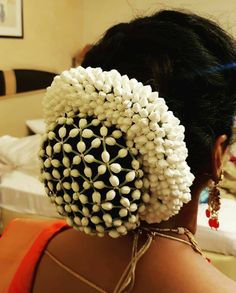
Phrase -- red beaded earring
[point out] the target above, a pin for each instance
(214, 205)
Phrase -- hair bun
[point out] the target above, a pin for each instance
(95, 181)
(102, 127)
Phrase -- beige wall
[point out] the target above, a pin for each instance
(52, 34)
(98, 15)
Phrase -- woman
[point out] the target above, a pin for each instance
(114, 158)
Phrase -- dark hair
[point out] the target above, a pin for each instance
(190, 60)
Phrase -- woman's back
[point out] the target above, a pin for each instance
(167, 266)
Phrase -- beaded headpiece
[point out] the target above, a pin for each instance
(113, 154)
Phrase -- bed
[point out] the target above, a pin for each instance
(22, 194)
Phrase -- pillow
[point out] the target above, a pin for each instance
(37, 126)
(20, 154)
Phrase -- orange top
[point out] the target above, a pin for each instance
(21, 247)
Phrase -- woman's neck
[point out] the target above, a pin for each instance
(187, 217)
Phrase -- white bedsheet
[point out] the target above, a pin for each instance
(224, 239)
(23, 193)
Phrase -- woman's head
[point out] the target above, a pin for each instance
(190, 61)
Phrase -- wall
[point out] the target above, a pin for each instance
(52, 34)
(98, 15)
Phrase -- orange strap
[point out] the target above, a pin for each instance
(21, 247)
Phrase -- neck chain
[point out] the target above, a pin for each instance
(180, 231)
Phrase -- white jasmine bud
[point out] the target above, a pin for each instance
(55, 163)
(110, 195)
(96, 196)
(82, 123)
(47, 163)
(116, 134)
(83, 198)
(95, 122)
(96, 208)
(67, 198)
(107, 218)
(62, 132)
(135, 164)
(115, 168)
(125, 190)
(123, 212)
(75, 195)
(59, 200)
(76, 160)
(146, 197)
(66, 162)
(132, 219)
(107, 206)
(96, 143)
(99, 184)
(138, 184)
(102, 169)
(56, 174)
(67, 208)
(117, 222)
(73, 132)
(67, 147)
(114, 180)
(49, 150)
(125, 202)
(133, 207)
(88, 172)
(87, 133)
(136, 194)
(100, 228)
(110, 141)
(122, 230)
(122, 153)
(74, 173)
(95, 220)
(75, 187)
(89, 158)
(57, 147)
(103, 131)
(85, 212)
(51, 135)
(69, 121)
(81, 146)
(114, 234)
(105, 156)
(86, 185)
(77, 221)
(130, 176)
(66, 185)
(74, 208)
(84, 221)
(61, 120)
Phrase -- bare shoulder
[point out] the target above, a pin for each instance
(174, 267)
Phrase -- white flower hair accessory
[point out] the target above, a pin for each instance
(113, 153)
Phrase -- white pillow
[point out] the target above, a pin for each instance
(20, 153)
(37, 126)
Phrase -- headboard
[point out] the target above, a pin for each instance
(16, 109)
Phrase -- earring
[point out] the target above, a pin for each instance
(214, 205)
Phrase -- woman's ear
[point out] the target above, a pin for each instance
(218, 152)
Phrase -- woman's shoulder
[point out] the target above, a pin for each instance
(175, 267)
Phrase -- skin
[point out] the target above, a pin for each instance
(167, 266)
